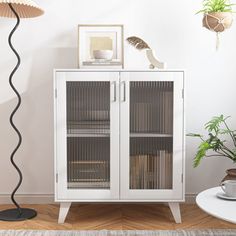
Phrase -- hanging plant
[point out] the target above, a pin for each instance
(217, 16)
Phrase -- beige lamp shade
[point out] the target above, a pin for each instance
(24, 8)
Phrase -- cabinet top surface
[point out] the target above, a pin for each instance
(119, 70)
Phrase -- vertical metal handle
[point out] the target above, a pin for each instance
(123, 91)
(114, 92)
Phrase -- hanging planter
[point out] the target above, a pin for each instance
(217, 16)
(217, 21)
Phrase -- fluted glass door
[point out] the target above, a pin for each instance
(88, 135)
(148, 146)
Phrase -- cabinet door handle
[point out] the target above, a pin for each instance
(123, 91)
(114, 91)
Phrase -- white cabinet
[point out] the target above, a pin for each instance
(119, 137)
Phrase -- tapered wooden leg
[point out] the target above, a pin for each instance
(175, 210)
(64, 208)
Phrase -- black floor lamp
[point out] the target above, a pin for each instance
(17, 9)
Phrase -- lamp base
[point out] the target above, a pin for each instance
(13, 214)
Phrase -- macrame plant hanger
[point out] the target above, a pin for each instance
(214, 29)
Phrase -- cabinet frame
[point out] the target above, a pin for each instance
(119, 130)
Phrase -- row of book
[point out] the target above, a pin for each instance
(151, 107)
(156, 117)
(151, 171)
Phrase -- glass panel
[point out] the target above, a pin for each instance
(88, 135)
(151, 135)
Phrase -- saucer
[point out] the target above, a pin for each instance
(222, 195)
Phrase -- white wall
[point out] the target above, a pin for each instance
(170, 27)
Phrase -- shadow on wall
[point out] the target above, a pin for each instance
(34, 119)
(35, 68)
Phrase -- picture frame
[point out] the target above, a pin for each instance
(100, 46)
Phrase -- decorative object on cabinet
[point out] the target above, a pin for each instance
(119, 137)
(217, 16)
(100, 46)
(103, 54)
(140, 44)
(17, 9)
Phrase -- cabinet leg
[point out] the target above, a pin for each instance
(175, 210)
(64, 208)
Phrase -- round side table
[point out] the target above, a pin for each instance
(219, 208)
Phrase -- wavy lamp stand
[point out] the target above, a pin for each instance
(16, 9)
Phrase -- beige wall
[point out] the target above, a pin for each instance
(170, 27)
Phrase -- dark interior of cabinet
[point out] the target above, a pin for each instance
(88, 135)
(88, 162)
(151, 107)
(151, 164)
(151, 135)
(151, 131)
(88, 107)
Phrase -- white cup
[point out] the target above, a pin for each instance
(229, 187)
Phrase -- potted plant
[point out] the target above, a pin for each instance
(217, 14)
(218, 131)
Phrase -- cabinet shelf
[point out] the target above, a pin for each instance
(87, 162)
(76, 133)
(88, 135)
(101, 129)
(150, 135)
(93, 128)
(89, 185)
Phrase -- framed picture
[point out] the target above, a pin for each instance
(101, 46)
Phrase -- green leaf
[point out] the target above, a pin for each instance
(214, 124)
(226, 131)
(218, 132)
(216, 6)
(202, 149)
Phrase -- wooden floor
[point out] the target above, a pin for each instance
(117, 217)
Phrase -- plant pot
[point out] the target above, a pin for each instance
(217, 21)
(231, 175)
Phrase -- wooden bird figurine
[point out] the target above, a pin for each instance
(140, 44)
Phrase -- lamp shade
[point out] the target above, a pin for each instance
(24, 8)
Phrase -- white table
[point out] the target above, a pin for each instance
(220, 208)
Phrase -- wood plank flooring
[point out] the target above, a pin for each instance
(117, 217)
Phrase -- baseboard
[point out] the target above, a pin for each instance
(49, 198)
(190, 198)
(28, 198)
